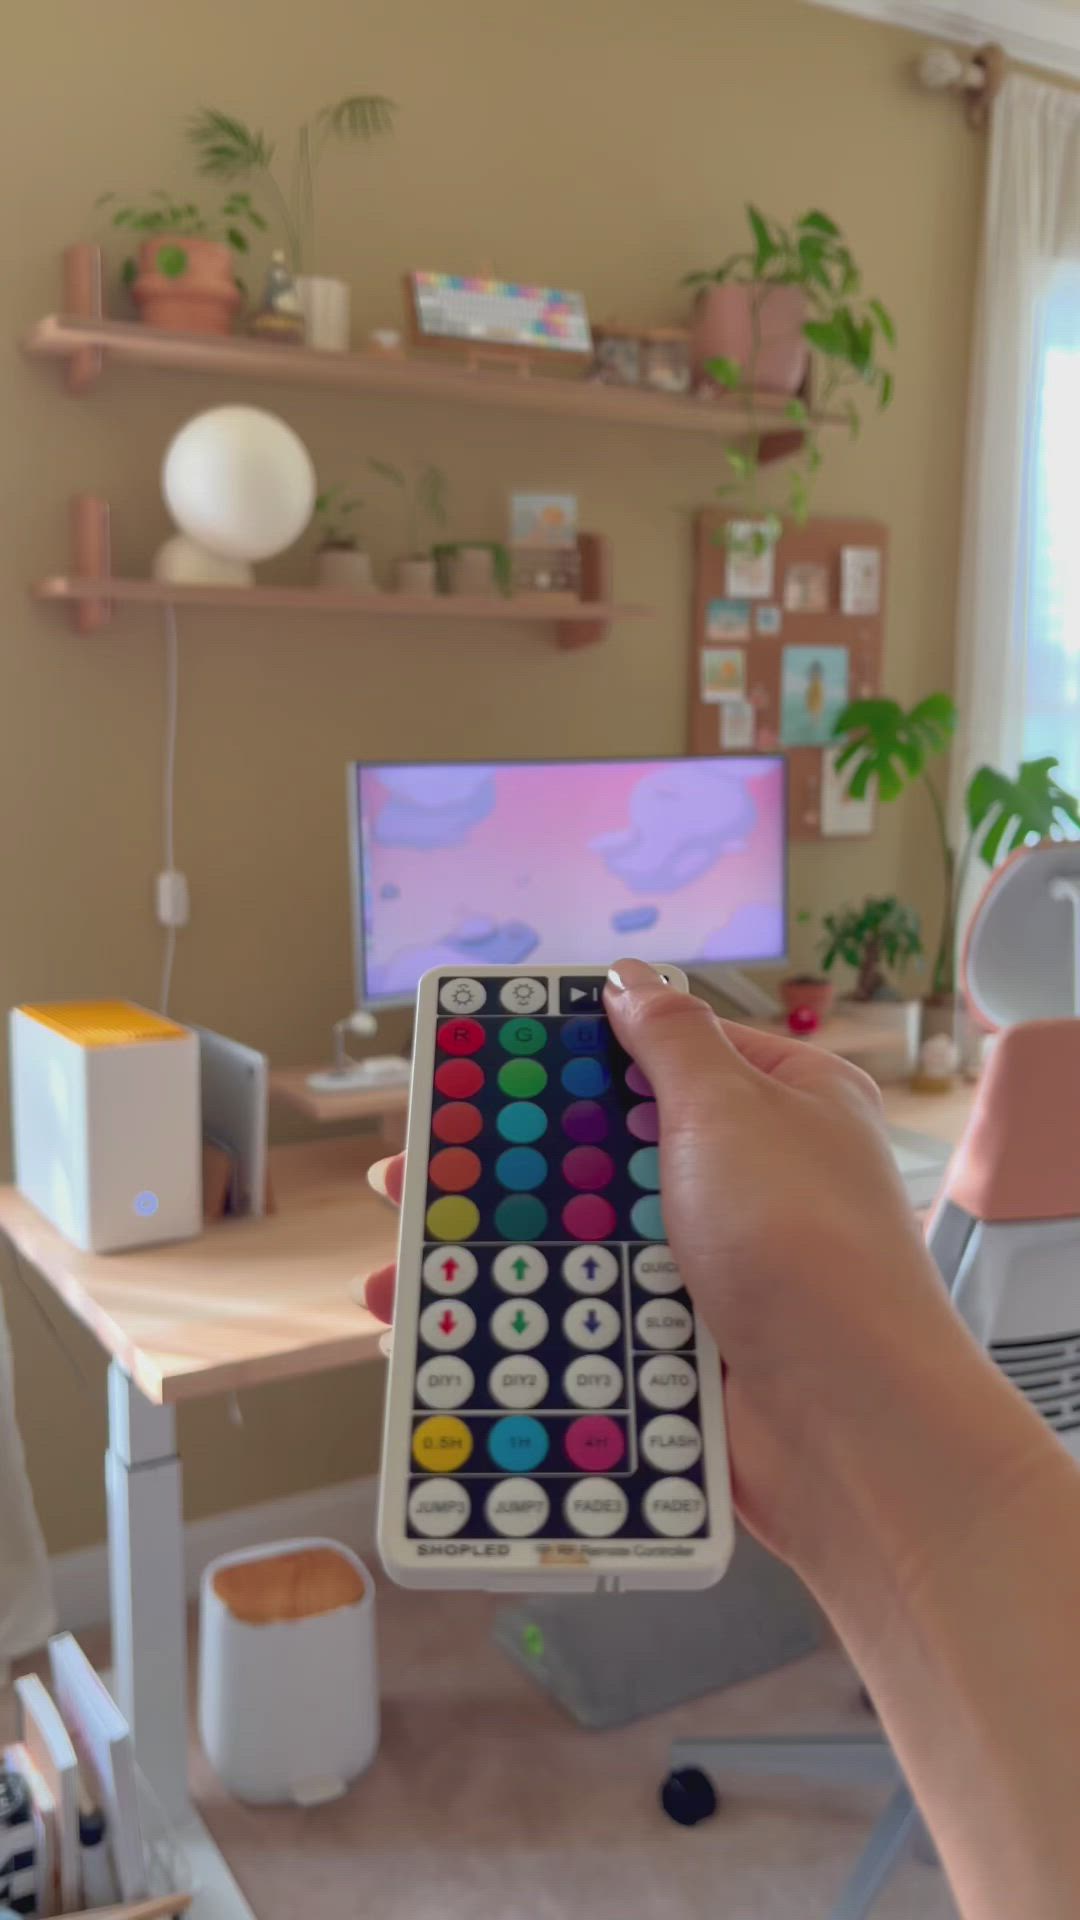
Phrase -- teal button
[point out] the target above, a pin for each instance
(520, 1168)
(586, 1076)
(644, 1167)
(647, 1219)
(517, 1445)
(520, 1217)
(525, 1121)
(522, 1036)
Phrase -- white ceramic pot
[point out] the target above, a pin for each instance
(898, 1024)
(472, 571)
(325, 305)
(416, 575)
(348, 568)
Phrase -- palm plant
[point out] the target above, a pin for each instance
(881, 742)
(228, 149)
(878, 934)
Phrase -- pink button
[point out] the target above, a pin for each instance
(637, 1082)
(595, 1444)
(588, 1168)
(588, 1216)
(644, 1121)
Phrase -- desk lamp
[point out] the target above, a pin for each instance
(349, 1075)
(1006, 1230)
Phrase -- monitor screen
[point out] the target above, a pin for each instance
(565, 861)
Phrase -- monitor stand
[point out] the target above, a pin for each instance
(754, 1001)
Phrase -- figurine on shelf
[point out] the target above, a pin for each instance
(280, 316)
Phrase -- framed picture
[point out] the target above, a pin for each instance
(748, 574)
(737, 726)
(768, 622)
(806, 588)
(543, 519)
(728, 620)
(842, 817)
(723, 674)
(813, 694)
(860, 580)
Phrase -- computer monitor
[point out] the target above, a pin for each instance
(564, 860)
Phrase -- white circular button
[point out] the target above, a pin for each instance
(593, 1383)
(519, 1269)
(590, 1269)
(517, 1508)
(519, 1325)
(449, 1269)
(667, 1383)
(518, 1383)
(665, 1323)
(596, 1508)
(674, 1507)
(591, 1324)
(672, 1442)
(438, 1507)
(523, 996)
(462, 996)
(654, 1269)
(447, 1325)
(444, 1383)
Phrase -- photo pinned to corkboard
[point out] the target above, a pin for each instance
(780, 647)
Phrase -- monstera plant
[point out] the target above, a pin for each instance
(886, 746)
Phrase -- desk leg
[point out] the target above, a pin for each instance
(146, 1587)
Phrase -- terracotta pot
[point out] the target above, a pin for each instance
(815, 994)
(203, 298)
(347, 568)
(416, 575)
(723, 328)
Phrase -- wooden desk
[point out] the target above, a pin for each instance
(388, 1105)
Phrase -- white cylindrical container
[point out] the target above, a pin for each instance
(288, 1672)
(346, 567)
(325, 305)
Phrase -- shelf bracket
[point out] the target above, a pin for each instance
(597, 583)
(91, 558)
(84, 300)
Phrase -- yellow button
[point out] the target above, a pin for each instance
(452, 1218)
(441, 1444)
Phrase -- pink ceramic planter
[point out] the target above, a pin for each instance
(202, 299)
(723, 328)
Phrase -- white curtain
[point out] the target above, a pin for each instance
(1032, 233)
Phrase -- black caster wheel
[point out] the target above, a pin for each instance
(689, 1797)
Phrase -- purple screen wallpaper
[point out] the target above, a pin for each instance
(679, 860)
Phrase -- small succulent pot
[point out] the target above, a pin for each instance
(416, 574)
(347, 568)
(809, 991)
(185, 285)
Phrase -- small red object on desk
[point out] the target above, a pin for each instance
(803, 1020)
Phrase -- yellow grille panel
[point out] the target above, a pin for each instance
(104, 1023)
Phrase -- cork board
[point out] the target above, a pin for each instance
(780, 644)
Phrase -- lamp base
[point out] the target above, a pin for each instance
(185, 563)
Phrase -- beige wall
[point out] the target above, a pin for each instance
(606, 144)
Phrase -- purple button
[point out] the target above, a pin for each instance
(588, 1216)
(585, 1122)
(588, 1168)
(637, 1082)
(594, 1444)
(644, 1121)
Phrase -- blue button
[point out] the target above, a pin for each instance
(517, 1445)
(585, 1077)
(524, 1121)
(520, 1168)
(644, 1167)
(647, 1219)
(146, 1204)
(521, 1217)
(585, 1036)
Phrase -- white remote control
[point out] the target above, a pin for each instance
(555, 1416)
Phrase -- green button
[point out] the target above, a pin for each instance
(522, 1036)
(520, 1217)
(522, 1078)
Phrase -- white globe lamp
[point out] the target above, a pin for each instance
(240, 485)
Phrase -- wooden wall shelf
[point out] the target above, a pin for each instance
(87, 346)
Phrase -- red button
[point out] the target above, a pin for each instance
(461, 1036)
(454, 1170)
(588, 1216)
(456, 1123)
(459, 1079)
(595, 1444)
(588, 1168)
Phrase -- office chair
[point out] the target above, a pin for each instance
(1005, 1234)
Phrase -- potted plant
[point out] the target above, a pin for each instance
(340, 560)
(183, 277)
(881, 742)
(879, 934)
(424, 496)
(229, 149)
(793, 298)
(479, 567)
(805, 992)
